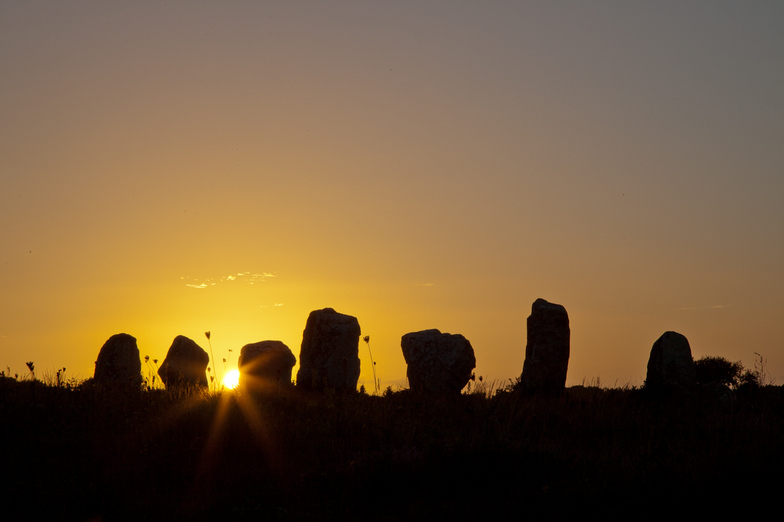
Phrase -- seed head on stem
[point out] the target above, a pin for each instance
(212, 357)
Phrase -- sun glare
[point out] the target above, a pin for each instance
(231, 379)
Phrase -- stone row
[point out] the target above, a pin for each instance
(437, 363)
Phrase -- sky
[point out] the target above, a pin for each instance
(171, 168)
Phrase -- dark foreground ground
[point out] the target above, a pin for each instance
(87, 453)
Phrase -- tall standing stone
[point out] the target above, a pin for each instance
(119, 362)
(670, 366)
(265, 363)
(185, 364)
(547, 349)
(329, 357)
(439, 363)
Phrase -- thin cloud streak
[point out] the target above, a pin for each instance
(713, 307)
(242, 277)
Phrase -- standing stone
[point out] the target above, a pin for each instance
(329, 357)
(437, 362)
(185, 364)
(670, 366)
(265, 363)
(547, 349)
(118, 362)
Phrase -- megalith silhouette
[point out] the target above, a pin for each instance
(185, 364)
(547, 348)
(329, 356)
(437, 362)
(119, 362)
(265, 364)
(670, 365)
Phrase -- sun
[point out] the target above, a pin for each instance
(231, 379)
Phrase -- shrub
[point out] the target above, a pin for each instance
(718, 370)
(749, 380)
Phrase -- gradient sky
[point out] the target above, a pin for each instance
(170, 168)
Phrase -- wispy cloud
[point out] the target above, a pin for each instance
(249, 278)
(712, 307)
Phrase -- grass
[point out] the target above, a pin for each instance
(82, 451)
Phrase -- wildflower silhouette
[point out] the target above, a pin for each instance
(152, 370)
(376, 383)
(225, 361)
(212, 357)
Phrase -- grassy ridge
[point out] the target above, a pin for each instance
(76, 453)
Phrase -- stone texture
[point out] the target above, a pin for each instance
(437, 362)
(670, 366)
(329, 357)
(185, 364)
(119, 362)
(547, 349)
(265, 363)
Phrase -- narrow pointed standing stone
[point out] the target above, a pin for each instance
(547, 349)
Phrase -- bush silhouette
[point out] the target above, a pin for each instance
(717, 370)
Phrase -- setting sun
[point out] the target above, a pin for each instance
(231, 379)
